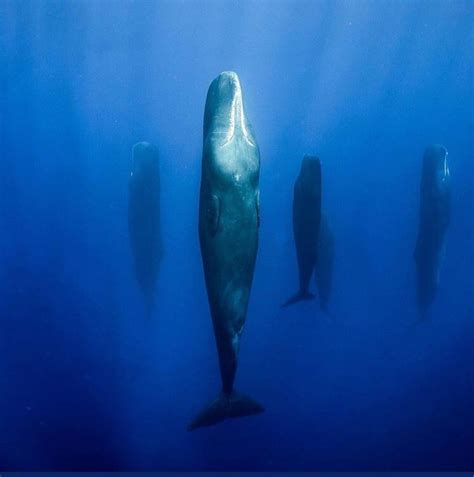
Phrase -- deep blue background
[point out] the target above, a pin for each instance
(86, 381)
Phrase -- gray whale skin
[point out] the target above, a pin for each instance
(228, 234)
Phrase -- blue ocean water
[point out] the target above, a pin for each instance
(87, 381)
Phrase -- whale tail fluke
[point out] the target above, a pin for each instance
(300, 296)
(226, 406)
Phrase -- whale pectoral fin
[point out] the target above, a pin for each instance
(213, 214)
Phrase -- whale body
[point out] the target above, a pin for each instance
(228, 234)
(306, 222)
(434, 218)
(144, 218)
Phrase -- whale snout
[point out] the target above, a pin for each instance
(224, 112)
(144, 156)
(311, 168)
(229, 97)
(435, 161)
(229, 85)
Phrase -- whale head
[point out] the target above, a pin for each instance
(224, 115)
(144, 158)
(435, 164)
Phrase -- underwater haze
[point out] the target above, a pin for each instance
(89, 381)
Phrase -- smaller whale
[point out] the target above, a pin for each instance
(306, 222)
(434, 218)
(324, 262)
(144, 218)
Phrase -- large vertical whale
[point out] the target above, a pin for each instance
(228, 233)
(144, 218)
(306, 220)
(324, 262)
(435, 211)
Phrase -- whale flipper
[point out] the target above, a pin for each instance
(213, 214)
(300, 296)
(226, 406)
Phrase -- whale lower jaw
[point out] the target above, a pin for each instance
(237, 119)
(226, 406)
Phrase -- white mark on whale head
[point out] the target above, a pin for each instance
(230, 116)
(237, 114)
